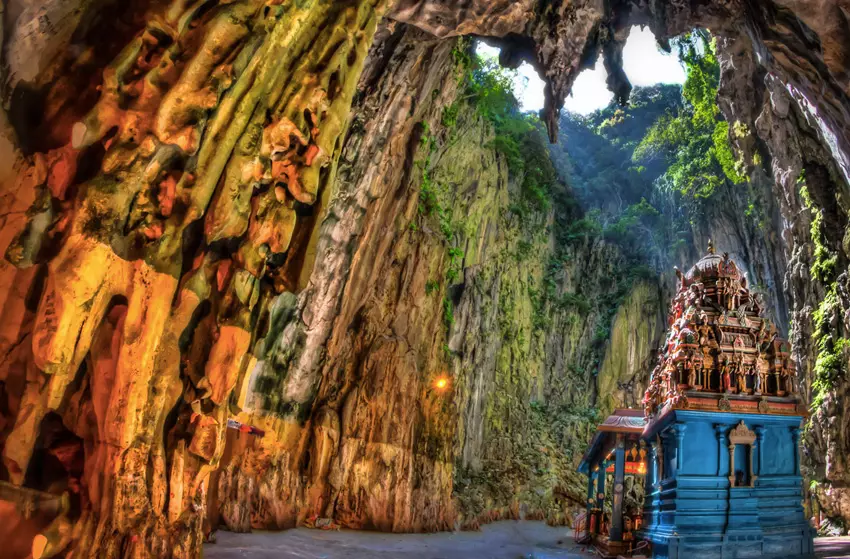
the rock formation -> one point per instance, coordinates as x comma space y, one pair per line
218, 211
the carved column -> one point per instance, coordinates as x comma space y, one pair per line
651, 468
616, 533
795, 439
680, 429
744, 436
660, 474
731, 464
600, 485
591, 481
723, 466
758, 450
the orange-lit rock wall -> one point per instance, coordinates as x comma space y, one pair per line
150, 230
206, 233
360, 435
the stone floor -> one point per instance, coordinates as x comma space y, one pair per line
833, 548
501, 540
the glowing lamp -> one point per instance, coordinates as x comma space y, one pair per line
441, 383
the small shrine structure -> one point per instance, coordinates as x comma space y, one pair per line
723, 427
616, 448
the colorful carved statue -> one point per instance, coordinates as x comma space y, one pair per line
725, 376
717, 340
789, 382
759, 385
742, 383
704, 331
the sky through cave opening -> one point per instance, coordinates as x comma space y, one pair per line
644, 62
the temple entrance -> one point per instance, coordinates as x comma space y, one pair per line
616, 464
741, 469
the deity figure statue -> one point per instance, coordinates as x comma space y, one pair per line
742, 383
729, 289
650, 398
754, 382
714, 336
694, 295
757, 303
703, 330
734, 371
668, 384
692, 374
656, 373
789, 381
725, 379
758, 335
678, 308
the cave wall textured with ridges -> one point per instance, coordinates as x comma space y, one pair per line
197, 226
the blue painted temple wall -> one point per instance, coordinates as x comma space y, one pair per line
694, 511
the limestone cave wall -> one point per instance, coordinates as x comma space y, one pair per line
225, 211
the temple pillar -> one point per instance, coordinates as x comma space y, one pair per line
591, 482
722, 453
659, 461
795, 437
616, 532
600, 486
651, 469
680, 429
758, 451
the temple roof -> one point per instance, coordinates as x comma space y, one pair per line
714, 266
627, 421
623, 421
720, 346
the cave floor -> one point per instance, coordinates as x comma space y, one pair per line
500, 540
832, 548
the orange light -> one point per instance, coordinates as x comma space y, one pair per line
642, 468
441, 383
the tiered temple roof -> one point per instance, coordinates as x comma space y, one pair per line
721, 353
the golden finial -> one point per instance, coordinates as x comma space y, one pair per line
711, 247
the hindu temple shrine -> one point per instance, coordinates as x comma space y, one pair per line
720, 432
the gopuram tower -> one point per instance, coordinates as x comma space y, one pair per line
723, 427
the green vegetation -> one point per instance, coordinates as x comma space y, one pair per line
695, 141
539, 469
432, 196
831, 361
517, 135
434, 204
488, 90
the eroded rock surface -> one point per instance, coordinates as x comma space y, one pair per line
215, 212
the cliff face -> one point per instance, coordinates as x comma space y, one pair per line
322, 315
292, 215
